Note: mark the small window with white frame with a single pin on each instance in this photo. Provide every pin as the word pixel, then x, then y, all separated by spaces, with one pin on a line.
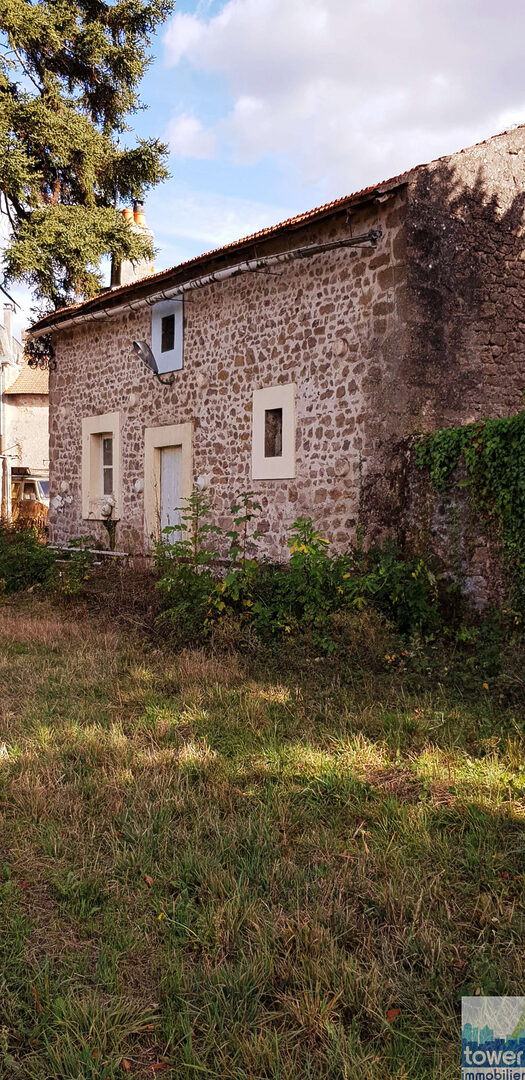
pixel 273 433
pixel 101 497
pixel 167 324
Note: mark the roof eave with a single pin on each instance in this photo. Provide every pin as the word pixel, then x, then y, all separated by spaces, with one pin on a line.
pixel 224 256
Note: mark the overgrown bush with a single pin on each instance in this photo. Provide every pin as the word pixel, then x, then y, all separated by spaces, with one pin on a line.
pixel 241 600
pixel 73 568
pixel 403 588
pixel 25 560
pixel 186 580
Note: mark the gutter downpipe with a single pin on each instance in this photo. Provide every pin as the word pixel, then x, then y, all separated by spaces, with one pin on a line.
pixel 248 266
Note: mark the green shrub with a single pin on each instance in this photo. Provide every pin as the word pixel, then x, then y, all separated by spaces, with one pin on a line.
pixel 186 580
pixel 311 585
pixel 304 596
pixel 25 560
pixel 242 600
pixel 402 588
pixel 74 567
pixel 233 596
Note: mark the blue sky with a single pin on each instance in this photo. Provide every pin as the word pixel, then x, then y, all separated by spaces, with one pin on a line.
pixel 272 107
pixel 275 106
pixel 209 200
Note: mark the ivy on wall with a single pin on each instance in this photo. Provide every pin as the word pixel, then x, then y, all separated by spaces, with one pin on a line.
pixel 493 453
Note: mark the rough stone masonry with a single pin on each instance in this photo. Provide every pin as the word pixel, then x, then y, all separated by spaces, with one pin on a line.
pixel 425 330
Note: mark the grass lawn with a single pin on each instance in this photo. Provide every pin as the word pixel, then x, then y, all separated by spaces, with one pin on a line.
pixel 215 868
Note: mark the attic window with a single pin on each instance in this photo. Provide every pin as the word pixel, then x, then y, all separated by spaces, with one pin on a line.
pixel 167 325
pixel 167 333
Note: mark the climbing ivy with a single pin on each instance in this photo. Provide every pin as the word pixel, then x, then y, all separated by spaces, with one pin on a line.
pixel 493 452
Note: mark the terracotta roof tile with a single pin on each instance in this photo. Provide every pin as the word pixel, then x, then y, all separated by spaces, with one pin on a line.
pixel 106 297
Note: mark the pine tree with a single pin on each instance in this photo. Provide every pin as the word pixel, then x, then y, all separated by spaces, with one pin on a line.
pixel 69 78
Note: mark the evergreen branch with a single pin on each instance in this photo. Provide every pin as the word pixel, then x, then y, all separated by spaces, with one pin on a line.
pixel 63 169
pixel 23 66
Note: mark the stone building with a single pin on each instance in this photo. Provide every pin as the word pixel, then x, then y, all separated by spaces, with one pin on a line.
pixel 24 414
pixel 298 362
pixel 26 420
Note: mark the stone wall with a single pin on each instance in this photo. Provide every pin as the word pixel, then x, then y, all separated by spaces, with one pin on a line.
pixel 426 331
pixel 466 284
pixel 330 323
pixel 465 345
pixel 463 305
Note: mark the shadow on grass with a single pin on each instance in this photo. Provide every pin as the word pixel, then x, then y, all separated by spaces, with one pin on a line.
pixel 239 873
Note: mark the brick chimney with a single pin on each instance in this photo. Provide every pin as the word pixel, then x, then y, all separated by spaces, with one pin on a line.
pixel 125 272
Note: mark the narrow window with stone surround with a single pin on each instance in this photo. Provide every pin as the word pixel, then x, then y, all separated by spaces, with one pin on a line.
pixel 273 433
pixel 101 469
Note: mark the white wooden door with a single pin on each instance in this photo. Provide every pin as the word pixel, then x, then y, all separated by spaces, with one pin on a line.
pixel 170 490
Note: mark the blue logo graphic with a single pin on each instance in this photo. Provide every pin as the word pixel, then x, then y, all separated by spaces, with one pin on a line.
pixel 493 1038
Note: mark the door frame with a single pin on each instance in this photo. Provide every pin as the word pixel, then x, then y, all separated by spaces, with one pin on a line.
pixel 154 440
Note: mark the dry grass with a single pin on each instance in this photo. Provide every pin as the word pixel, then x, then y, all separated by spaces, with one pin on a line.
pixel 234 871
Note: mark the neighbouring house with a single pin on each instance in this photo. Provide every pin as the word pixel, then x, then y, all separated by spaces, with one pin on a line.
pixel 24 417
pixel 297 363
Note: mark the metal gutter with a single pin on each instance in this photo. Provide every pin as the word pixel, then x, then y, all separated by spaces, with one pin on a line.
pixel 247 266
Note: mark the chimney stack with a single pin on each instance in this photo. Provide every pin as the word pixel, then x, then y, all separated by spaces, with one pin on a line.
pixel 8 324
pixel 125 272
pixel 139 216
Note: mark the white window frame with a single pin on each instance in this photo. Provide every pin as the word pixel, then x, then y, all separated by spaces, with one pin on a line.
pixel 172 359
pixel 154 439
pixel 94 430
pixel 273 468
pixel 107 436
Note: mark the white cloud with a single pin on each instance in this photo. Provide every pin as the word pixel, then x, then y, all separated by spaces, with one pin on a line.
pixel 355 90
pixel 196 221
pixel 188 138
pixel 182 36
